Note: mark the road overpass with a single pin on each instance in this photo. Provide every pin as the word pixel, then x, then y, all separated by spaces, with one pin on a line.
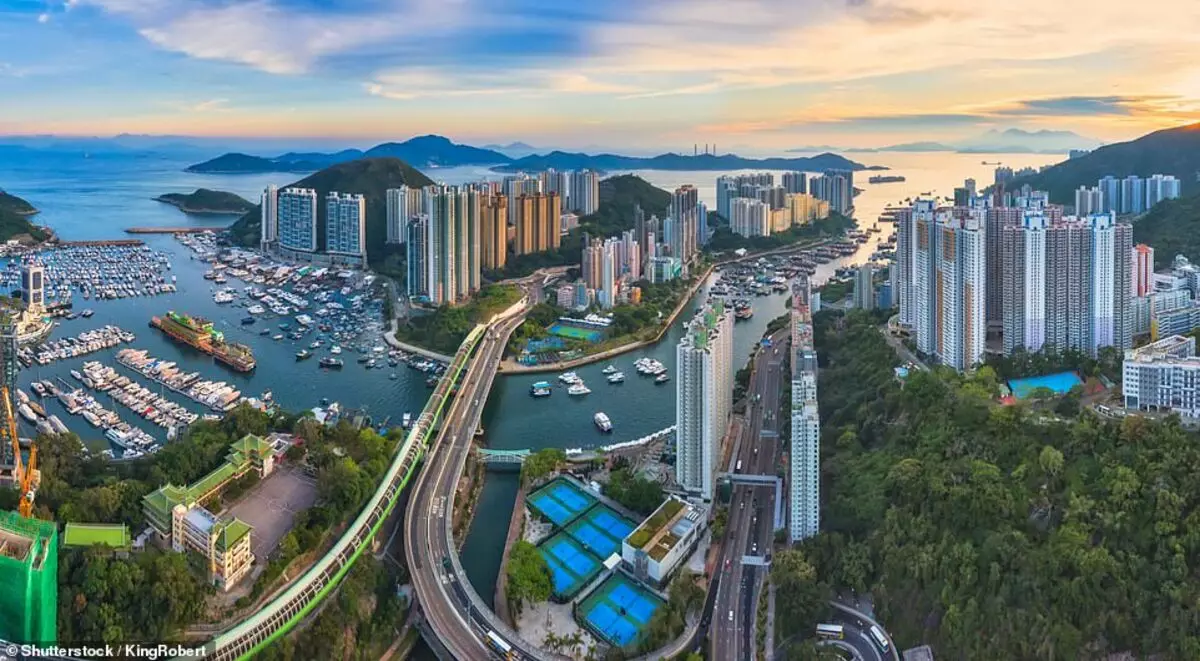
pixel 283 612
pixel 456 621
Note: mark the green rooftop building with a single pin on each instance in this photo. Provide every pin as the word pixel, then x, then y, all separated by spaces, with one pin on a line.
pixel 28 579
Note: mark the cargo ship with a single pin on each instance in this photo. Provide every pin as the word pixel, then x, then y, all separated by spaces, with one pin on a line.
pixel 199 334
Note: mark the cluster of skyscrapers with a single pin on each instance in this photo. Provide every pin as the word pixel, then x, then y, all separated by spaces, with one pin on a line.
pixel 609 264
pixel 755 206
pixel 291 226
pixel 704 397
pixel 1130 195
pixel 1047 280
pixel 804 480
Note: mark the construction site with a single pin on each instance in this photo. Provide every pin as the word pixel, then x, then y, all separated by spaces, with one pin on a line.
pixel 28 546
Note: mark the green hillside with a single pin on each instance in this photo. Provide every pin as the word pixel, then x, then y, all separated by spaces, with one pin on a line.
pixel 14 218
pixel 1171 151
pixel 369 176
pixel 208 202
pixel 1171 228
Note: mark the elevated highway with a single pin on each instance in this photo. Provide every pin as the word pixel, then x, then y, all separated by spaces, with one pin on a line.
pixel 283 612
pixel 457 622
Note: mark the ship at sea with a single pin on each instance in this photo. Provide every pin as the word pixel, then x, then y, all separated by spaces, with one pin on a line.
pixel 199 333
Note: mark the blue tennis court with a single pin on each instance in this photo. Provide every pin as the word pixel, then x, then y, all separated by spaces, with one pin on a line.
pixel 619 610
pixel 600 530
pixel 571 564
pixel 559 501
pixel 1061 383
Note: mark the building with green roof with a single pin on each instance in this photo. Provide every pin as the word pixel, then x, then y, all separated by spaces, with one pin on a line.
pixel 28 579
pixel 180 522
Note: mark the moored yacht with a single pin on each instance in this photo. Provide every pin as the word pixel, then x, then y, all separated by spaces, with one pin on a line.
pixel 602 422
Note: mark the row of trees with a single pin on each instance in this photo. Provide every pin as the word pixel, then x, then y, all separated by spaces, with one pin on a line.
pixel 993 533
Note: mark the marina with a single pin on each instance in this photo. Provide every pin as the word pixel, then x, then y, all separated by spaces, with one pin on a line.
pixel 99 272
pixel 137 398
pixel 216 395
pixel 85 343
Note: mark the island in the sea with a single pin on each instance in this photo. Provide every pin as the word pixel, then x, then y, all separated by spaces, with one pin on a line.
pixel 205 202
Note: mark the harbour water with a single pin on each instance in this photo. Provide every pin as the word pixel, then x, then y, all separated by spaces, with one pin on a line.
pixel 95 198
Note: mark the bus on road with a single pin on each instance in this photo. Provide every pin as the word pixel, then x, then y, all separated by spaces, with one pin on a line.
pixel 879 638
pixel 497 643
pixel 831 631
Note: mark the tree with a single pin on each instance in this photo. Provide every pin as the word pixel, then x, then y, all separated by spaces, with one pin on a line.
pixel 529 577
pixel 801 600
pixel 633 491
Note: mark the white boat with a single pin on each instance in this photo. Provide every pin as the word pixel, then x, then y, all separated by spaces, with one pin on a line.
pixel 602 422
pixel 335 349
pixel 406 422
pixel 569 377
pixel 256 309
pixel 27 413
pixel 618 377
pixel 578 389
pixel 222 297
pixel 611 369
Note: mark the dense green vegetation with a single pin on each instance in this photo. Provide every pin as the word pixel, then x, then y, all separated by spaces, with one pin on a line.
pixel 683 596
pixel 356 624
pixel 723 238
pixel 205 201
pixel 153 596
pixel 1172 151
pixel 633 491
pixel 1172 228
pixel 446 327
pixel 534 327
pixel 801 596
pixel 529 578
pixel 993 533
pixel 1022 363
pixel 14 218
pixel 369 176
pixel 541 464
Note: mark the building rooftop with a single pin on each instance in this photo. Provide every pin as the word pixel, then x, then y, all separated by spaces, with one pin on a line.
pixel 230 532
pixel 1175 347
pixel 666 526
pixel 97 534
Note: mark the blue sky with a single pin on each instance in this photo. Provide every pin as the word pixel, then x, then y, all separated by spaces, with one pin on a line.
pixel 761 74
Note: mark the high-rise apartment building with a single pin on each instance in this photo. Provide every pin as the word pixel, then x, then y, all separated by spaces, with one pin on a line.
pixel 584 195
pixel 269 204
pixel 1133 195
pixel 864 287
pixel 441 204
pixel 1089 200
pixel 835 187
pixel 804 475
pixel 1110 190
pixel 536 218
pixel 948 288
pixel 1143 270
pixel 704 397
pixel 606 293
pixel 750 217
pixel 494 232
pixel 402 204
pixel 298 220
pixel 998 218
pixel 731 187
pixel 685 202
pixel 417 249
pixel 1161 187
pixel 1068 284
pixel 795 182
pixel 902 264
pixel 467 241
pixel 346 227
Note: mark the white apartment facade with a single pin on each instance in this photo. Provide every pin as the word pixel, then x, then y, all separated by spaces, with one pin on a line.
pixel 297 220
pixel 1163 376
pixel 704 397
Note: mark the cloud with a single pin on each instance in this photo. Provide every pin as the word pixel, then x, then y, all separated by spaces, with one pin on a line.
pixel 43 18
pixel 1086 105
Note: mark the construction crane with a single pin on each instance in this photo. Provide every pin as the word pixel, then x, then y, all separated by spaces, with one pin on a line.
pixel 27 477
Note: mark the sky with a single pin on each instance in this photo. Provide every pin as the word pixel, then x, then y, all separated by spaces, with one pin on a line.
pixel 761 75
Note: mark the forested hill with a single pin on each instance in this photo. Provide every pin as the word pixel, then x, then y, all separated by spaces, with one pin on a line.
pixel 1171 151
pixel 368 176
pixel 204 201
pixel 14 218
pixel 1171 228
pixel 998 532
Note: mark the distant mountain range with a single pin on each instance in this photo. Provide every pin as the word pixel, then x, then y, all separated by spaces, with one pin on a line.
pixel 432 151
pixel 1171 151
pixel 513 149
pixel 1009 141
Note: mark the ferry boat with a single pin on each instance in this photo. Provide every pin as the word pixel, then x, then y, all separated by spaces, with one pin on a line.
pixel 331 363
pixel 199 333
pixel 578 389
pixel 618 377
pixel 602 422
